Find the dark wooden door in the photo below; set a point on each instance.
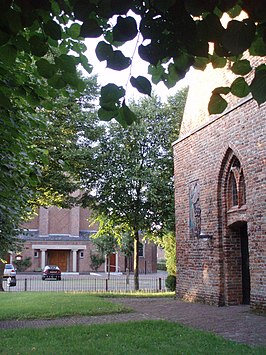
(245, 264)
(112, 262)
(59, 258)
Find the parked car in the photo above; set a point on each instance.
(9, 271)
(51, 271)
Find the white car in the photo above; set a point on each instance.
(9, 271)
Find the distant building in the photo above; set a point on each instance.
(63, 237)
(220, 196)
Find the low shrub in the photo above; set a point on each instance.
(161, 266)
(170, 282)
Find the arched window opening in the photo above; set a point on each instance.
(236, 190)
(242, 190)
(232, 191)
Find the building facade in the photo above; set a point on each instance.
(220, 198)
(64, 237)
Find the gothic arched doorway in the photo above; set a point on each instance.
(235, 276)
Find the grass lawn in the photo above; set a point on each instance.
(24, 305)
(145, 337)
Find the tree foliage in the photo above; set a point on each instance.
(172, 36)
(132, 178)
(41, 159)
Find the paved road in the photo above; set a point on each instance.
(235, 322)
(87, 283)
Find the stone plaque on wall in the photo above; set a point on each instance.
(194, 209)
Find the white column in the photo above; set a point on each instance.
(43, 258)
(74, 251)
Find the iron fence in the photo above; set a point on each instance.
(87, 284)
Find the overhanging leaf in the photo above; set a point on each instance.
(241, 67)
(90, 28)
(258, 85)
(125, 116)
(38, 46)
(142, 84)
(239, 87)
(217, 104)
(105, 115)
(8, 54)
(45, 69)
(125, 29)
(118, 61)
(104, 51)
(238, 36)
(110, 96)
(53, 30)
(221, 90)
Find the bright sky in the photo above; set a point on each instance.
(120, 78)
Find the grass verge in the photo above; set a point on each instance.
(49, 305)
(146, 337)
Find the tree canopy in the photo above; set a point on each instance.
(130, 185)
(46, 38)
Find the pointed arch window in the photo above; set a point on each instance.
(236, 189)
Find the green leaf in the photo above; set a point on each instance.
(258, 85)
(121, 7)
(53, 30)
(218, 62)
(239, 87)
(4, 101)
(242, 67)
(125, 29)
(217, 104)
(125, 116)
(238, 36)
(156, 71)
(164, 5)
(57, 82)
(110, 96)
(4, 37)
(142, 84)
(38, 46)
(258, 47)
(105, 115)
(200, 63)
(45, 69)
(118, 61)
(67, 63)
(104, 51)
(90, 28)
(8, 54)
(86, 65)
(221, 90)
(234, 11)
(74, 30)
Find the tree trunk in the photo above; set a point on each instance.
(2, 266)
(136, 260)
(108, 265)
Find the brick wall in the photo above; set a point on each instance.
(210, 271)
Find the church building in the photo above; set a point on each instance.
(220, 197)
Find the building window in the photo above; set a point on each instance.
(236, 189)
(141, 249)
(36, 254)
(81, 254)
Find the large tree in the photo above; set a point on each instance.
(131, 183)
(43, 167)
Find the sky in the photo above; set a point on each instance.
(120, 78)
